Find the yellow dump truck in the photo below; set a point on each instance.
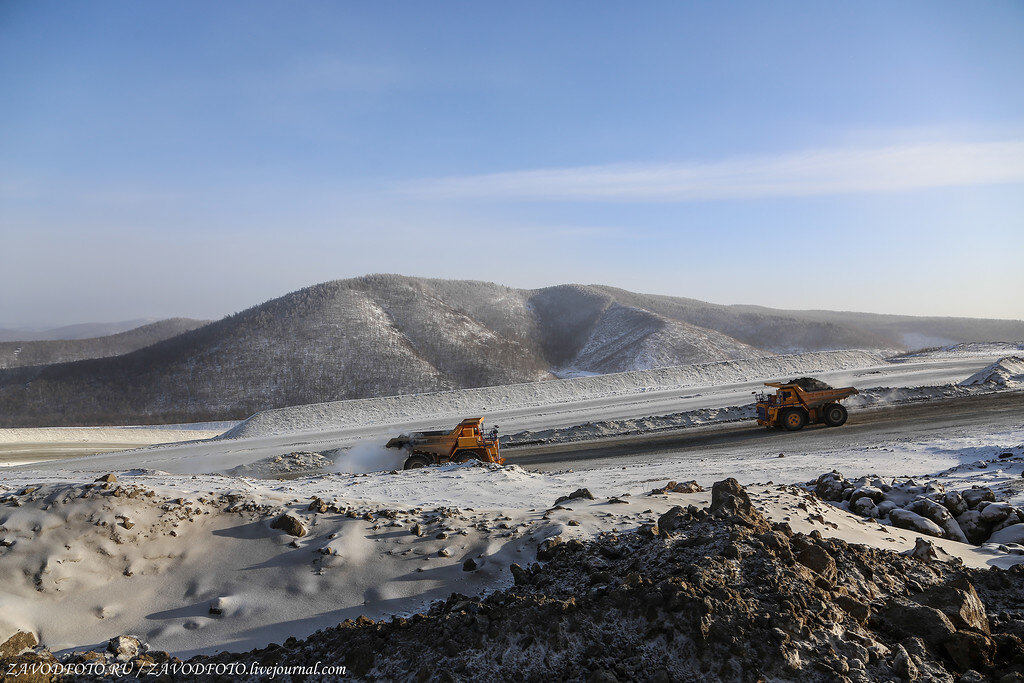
(802, 402)
(466, 442)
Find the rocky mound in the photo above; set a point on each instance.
(706, 594)
(969, 516)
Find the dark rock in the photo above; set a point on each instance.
(818, 560)
(912, 619)
(548, 547)
(671, 520)
(520, 576)
(289, 524)
(860, 611)
(903, 665)
(959, 601)
(830, 486)
(974, 496)
(575, 495)
(318, 505)
(970, 650)
(469, 565)
(727, 496)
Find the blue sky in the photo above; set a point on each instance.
(195, 158)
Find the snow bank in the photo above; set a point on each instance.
(1006, 372)
(445, 404)
(143, 434)
(965, 350)
(605, 428)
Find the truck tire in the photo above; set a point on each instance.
(464, 456)
(834, 414)
(414, 462)
(794, 419)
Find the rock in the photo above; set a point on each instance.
(520, 576)
(976, 495)
(289, 524)
(318, 505)
(218, 606)
(18, 643)
(728, 497)
(444, 552)
(903, 665)
(546, 550)
(416, 530)
(578, 493)
(994, 513)
(125, 648)
(817, 559)
(669, 521)
(970, 650)
(905, 519)
(1008, 534)
(955, 503)
(973, 527)
(648, 530)
(674, 487)
(830, 486)
(885, 507)
(960, 602)
(941, 516)
(860, 611)
(110, 478)
(913, 619)
(469, 565)
(875, 494)
(926, 551)
(864, 507)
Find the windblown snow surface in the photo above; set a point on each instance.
(480, 401)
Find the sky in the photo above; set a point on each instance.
(195, 158)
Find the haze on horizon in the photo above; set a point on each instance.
(190, 159)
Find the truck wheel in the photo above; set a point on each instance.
(834, 414)
(794, 419)
(463, 456)
(414, 462)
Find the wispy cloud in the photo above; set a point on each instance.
(798, 174)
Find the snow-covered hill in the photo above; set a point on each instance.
(15, 354)
(386, 335)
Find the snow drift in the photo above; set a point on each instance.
(446, 404)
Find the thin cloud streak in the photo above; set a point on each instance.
(802, 174)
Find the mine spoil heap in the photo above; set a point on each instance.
(707, 594)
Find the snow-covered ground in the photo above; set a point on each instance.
(539, 406)
(966, 350)
(152, 553)
(190, 560)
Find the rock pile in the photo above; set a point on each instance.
(718, 594)
(969, 516)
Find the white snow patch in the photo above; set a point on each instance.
(452, 404)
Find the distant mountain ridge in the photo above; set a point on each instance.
(15, 354)
(388, 334)
(77, 331)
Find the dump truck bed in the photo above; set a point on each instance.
(813, 399)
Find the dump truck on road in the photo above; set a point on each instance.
(802, 402)
(466, 442)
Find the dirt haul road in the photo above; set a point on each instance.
(740, 442)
